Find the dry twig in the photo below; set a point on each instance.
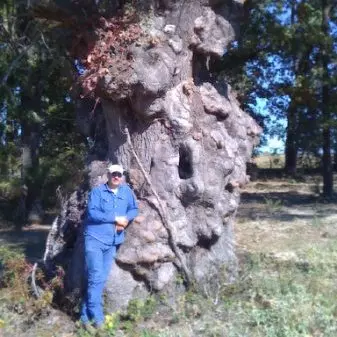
(162, 213)
(33, 282)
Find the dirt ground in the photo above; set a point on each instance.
(278, 217)
(274, 215)
(282, 217)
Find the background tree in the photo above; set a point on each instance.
(38, 132)
(285, 55)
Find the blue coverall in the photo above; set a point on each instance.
(101, 241)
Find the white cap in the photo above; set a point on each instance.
(115, 168)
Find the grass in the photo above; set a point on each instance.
(268, 160)
(285, 286)
(276, 161)
(18, 308)
(272, 206)
(292, 298)
(271, 298)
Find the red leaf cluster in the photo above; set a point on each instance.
(104, 46)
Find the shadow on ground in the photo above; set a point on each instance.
(284, 206)
(30, 240)
(288, 198)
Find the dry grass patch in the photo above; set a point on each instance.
(285, 287)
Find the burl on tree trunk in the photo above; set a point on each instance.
(182, 138)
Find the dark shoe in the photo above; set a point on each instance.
(100, 331)
(91, 329)
(87, 326)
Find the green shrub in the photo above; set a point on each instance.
(10, 188)
(15, 270)
(139, 309)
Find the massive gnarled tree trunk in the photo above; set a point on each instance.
(186, 155)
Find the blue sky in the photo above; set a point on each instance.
(274, 143)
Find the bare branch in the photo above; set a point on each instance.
(14, 64)
(36, 291)
(162, 213)
(44, 42)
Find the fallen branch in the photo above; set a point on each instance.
(162, 213)
(33, 282)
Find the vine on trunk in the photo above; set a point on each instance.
(105, 45)
(162, 213)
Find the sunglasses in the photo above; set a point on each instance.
(116, 174)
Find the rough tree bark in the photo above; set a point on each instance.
(190, 138)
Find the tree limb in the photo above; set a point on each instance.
(162, 213)
(33, 282)
(14, 64)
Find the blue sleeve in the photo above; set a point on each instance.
(132, 210)
(94, 213)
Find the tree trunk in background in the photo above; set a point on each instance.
(327, 161)
(335, 159)
(291, 147)
(30, 209)
(190, 138)
(291, 142)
